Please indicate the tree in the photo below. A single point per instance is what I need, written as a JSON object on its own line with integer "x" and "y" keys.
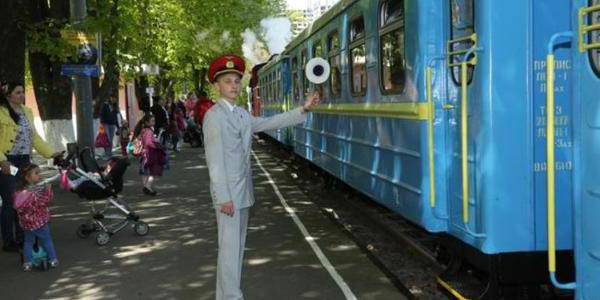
{"x": 12, "y": 35}
{"x": 181, "y": 36}
{"x": 47, "y": 53}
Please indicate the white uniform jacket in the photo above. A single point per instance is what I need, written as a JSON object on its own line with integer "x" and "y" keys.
{"x": 227, "y": 145}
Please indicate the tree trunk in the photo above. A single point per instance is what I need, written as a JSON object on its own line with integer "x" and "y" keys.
{"x": 95, "y": 102}
{"x": 195, "y": 78}
{"x": 203, "y": 85}
{"x": 110, "y": 84}
{"x": 52, "y": 90}
{"x": 12, "y": 47}
{"x": 141, "y": 84}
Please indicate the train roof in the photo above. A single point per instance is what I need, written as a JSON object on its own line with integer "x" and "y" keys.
{"x": 273, "y": 60}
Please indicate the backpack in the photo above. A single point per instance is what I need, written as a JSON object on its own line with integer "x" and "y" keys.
{"x": 138, "y": 146}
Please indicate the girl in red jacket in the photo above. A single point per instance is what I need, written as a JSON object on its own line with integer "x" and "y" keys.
{"x": 31, "y": 203}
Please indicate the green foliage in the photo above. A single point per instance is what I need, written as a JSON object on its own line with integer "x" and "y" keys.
{"x": 177, "y": 35}
{"x": 45, "y": 37}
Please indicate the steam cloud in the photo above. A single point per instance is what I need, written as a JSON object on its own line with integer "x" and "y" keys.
{"x": 277, "y": 32}
{"x": 253, "y": 49}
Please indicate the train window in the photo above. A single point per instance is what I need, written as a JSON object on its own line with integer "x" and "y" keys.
{"x": 318, "y": 49}
{"x": 272, "y": 85}
{"x": 358, "y": 57}
{"x": 267, "y": 87}
{"x": 391, "y": 43}
{"x": 357, "y": 29}
{"x": 333, "y": 42}
{"x": 272, "y": 95}
{"x": 463, "y": 24}
{"x": 391, "y": 11}
{"x": 268, "y": 94}
{"x": 277, "y": 85}
{"x": 304, "y": 60}
{"x": 594, "y": 37}
{"x": 295, "y": 83}
{"x": 333, "y": 48}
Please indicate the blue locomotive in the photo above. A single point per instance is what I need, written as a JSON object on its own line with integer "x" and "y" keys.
{"x": 438, "y": 110}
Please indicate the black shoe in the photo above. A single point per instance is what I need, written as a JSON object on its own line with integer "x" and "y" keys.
{"x": 149, "y": 192}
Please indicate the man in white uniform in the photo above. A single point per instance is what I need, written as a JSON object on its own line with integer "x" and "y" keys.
{"x": 228, "y": 133}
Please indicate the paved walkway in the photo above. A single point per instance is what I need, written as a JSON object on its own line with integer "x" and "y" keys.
{"x": 177, "y": 260}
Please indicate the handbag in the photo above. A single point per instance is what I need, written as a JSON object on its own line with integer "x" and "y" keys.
{"x": 102, "y": 138}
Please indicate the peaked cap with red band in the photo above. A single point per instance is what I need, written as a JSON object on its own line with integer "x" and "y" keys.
{"x": 223, "y": 64}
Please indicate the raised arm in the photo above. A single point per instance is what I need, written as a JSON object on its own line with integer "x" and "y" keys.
{"x": 289, "y": 118}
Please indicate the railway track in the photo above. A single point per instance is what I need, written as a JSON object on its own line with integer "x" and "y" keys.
{"x": 406, "y": 253}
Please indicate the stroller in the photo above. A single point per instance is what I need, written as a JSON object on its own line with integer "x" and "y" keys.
{"x": 93, "y": 185}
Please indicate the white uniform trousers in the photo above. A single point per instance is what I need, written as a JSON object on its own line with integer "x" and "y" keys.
{"x": 232, "y": 240}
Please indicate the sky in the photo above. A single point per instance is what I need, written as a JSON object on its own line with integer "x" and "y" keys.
{"x": 302, "y": 4}
{"x": 297, "y": 4}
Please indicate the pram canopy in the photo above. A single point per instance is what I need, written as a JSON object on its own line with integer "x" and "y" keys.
{"x": 112, "y": 181}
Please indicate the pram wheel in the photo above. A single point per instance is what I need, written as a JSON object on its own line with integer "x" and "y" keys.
{"x": 102, "y": 238}
{"x": 141, "y": 228}
{"x": 84, "y": 231}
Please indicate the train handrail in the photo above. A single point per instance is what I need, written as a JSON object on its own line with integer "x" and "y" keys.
{"x": 583, "y": 28}
{"x": 464, "y": 124}
{"x": 464, "y": 63}
{"x": 472, "y": 38}
{"x": 430, "y": 119}
{"x": 550, "y": 161}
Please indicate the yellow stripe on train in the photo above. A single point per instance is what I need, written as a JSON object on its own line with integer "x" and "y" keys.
{"x": 411, "y": 110}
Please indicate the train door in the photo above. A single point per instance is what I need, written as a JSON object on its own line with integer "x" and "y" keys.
{"x": 461, "y": 62}
{"x": 587, "y": 131}
{"x": 549, "y": 18}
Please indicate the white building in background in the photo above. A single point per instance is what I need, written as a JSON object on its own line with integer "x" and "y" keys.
{"x": 310, "y": 9}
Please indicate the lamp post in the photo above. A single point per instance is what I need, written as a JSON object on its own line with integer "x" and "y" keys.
{"x": 82, "y": 87}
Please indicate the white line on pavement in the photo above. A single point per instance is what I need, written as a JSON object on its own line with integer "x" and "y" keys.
{"x": 308, "y": 238}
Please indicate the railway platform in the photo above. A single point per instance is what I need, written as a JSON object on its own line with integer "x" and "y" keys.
{"x": 299, "y": 255}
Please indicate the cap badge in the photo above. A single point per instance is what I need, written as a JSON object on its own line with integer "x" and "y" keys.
{"x": 229, "y": 64}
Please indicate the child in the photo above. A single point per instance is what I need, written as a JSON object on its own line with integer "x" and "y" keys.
{"x": 124, "y": 138}
{"x": 178, "y": 127}
{"x": 153, "y": 156}
{"x": 31, "y": 204}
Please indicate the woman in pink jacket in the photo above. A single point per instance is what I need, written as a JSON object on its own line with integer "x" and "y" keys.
{"x": 31, "y": 203}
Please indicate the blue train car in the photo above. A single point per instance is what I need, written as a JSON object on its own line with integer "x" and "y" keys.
{"x": 372, "y": 134}
{"x": 437, "y": 110}
{"x": 585, "y": 41}
{"x": 275, "y": 93}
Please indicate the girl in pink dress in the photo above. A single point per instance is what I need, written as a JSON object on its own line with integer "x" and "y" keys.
{"x": 153, "y": 158}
